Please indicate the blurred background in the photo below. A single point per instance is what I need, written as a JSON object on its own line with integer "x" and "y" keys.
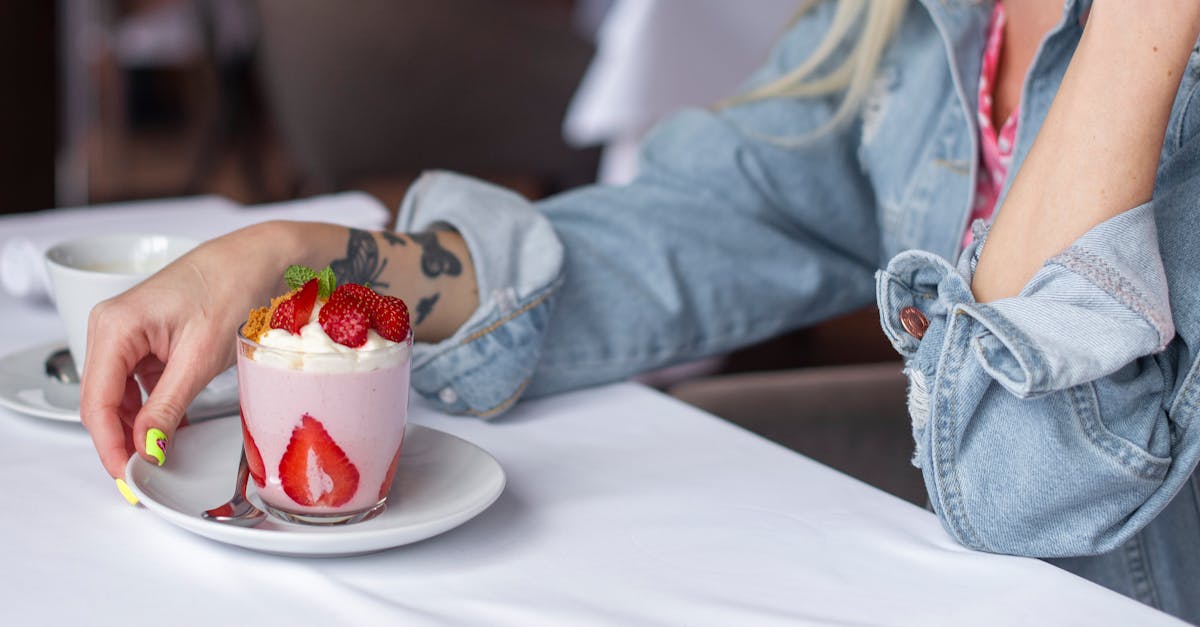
{"x": 262, "y": 101}
{"x": 268, "y": 100}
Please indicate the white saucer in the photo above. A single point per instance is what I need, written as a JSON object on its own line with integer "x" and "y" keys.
{"x": 442, "y": 481}
{"x": 26, "y": 388}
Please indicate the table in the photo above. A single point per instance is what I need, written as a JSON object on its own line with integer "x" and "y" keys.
{"x": 623, "y": 507}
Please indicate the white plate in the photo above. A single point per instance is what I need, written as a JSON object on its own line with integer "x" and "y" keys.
{"x": 442, "y": 481}
{"x": 26, "y": 388}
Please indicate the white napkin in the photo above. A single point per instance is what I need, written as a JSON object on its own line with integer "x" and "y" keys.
{"x": 24, "y": 238}
{"x": 645, "y": 67}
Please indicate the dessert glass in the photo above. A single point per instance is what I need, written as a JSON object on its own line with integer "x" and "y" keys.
{"x": 326, "y": 428}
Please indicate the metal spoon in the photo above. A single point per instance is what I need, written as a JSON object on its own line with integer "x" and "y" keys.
{"x": 238, "y": 511}
{"x": 60, "y": 366}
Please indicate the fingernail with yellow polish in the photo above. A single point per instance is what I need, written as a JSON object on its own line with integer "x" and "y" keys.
{"x": 156, "y": 445}
{"x": 126, "y": 492}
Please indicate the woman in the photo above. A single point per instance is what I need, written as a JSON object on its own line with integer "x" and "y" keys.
{"x": 1052, "y": 384}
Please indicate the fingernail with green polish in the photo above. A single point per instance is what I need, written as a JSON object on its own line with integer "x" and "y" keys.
{"x": 126, "y": 492}
{"x": 156, "y": 445}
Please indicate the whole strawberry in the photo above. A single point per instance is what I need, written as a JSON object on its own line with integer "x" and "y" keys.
{"x": 345, "y": 322}
{"x": 388, "y": 315}
{"x": 365, "y": 296}
{"x": 390, "y": 318}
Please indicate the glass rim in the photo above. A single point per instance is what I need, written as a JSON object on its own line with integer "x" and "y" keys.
{"x": 398, "y": 346}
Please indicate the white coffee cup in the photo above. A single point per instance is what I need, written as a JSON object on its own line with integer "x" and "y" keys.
{"x": 90, "y": 269}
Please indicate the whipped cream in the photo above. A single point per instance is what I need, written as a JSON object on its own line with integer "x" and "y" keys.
{"x": 312, "y": 350}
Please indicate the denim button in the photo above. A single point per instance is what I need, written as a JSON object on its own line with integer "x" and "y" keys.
{"x": 448, "y": 396}
{"x": 914, "y": 322}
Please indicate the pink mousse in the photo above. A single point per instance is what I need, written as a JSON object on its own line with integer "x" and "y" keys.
{"x": 363, "y": 412}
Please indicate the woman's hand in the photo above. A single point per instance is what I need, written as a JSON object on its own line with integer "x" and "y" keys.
{"x": 171, "y": 334}
{"x": 174, "y": 332}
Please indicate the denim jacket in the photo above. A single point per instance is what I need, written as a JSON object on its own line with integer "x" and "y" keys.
{"x": 1057, "y": 423}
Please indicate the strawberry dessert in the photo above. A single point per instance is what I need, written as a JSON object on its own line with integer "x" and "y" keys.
{"x": 323, "y": 379}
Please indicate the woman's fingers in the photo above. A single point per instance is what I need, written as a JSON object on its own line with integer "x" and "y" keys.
{"x": 170, "y": 391}
{"x": 171, "y": 333}
{"x": 148, "y": 372}
{"x": 104, "y": 390}
{"x": 131, "y": 403}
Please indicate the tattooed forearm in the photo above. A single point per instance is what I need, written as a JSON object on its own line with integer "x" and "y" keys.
{"x": 435, "y": 260}
{"x": 392, "y": 239}
{"x": 361, "y": 263}
{"x": 425, "y": 307}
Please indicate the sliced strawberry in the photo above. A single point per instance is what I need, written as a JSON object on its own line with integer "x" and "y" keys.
{"x": 284, "y": 316}
{"x": 253, "y": 458}
{"x": 391, "y": 473}
{"x": 391, "y": 318}
{"x": 314, "y": 470}
{"x": 305, "y": 299}
{"x": 296, "y": 311}
{"x": 345, "y": 322}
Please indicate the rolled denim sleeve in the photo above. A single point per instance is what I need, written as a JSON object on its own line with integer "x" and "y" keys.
{"x": 483, "y": 368}
{"x": 1092, "y": 309}
{"x": 726, "y": 237}
{"x": 1039, "y": 419}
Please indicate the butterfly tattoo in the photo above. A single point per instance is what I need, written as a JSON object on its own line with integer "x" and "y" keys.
{"x": 435, "y": 260}
{"x": 362, "y": 263}
{"x": 425, "y": 307}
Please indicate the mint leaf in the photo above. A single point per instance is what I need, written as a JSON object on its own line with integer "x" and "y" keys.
{"x": 296, "y": 276}
{"x": 326, "y": 282}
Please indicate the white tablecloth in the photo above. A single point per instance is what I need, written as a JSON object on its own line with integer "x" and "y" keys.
{"x": 623, "y": 507}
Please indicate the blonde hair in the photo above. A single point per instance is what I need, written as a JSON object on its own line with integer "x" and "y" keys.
{"x": 872, "y": 22}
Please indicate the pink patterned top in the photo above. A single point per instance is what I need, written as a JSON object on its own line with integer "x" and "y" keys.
{"x": 995, "y": 147}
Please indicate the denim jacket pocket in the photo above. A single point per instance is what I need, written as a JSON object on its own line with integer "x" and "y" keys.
{"x": 1068, "y": 472}
{"x": 1124, "y": 453}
